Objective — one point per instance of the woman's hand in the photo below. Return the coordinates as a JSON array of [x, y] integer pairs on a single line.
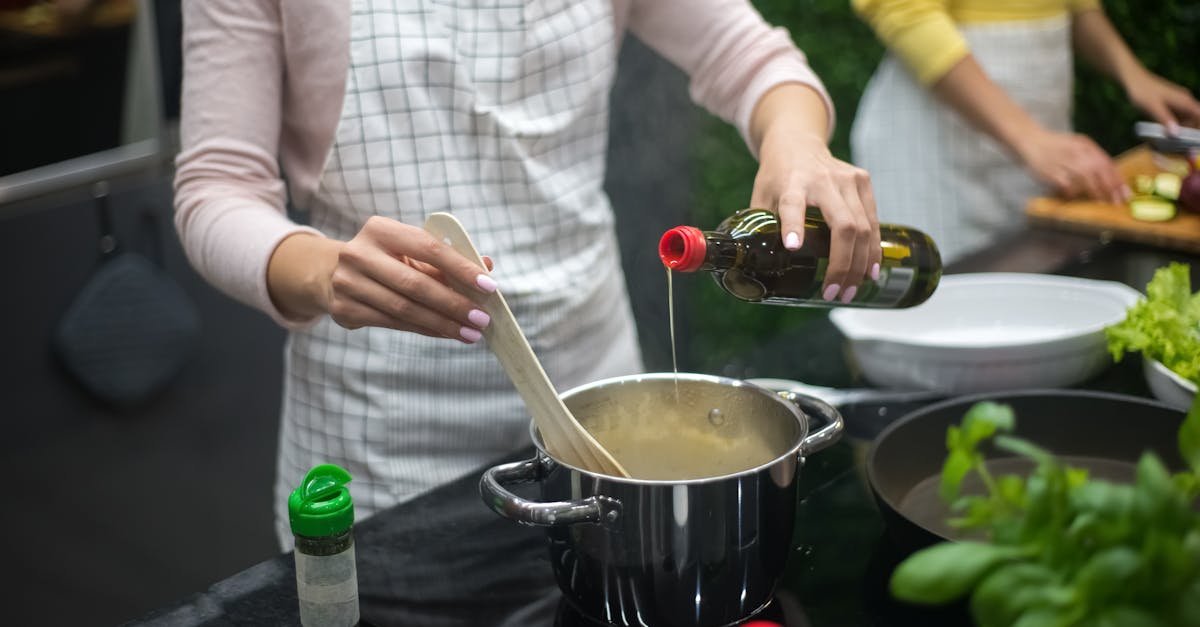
[[391, 275], [1074, 165], [1099, 43], [1168, 103], [796, 171]]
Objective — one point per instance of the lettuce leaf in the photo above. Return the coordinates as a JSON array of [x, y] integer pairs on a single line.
[[1165, 325]]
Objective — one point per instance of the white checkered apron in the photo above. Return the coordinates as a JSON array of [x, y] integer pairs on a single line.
[[930, 169], [498, 114]]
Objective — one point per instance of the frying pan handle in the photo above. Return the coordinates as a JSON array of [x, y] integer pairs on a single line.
[[594, 509], [814, 407]]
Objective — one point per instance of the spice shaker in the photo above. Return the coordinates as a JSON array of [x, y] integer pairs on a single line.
[[321, 514]]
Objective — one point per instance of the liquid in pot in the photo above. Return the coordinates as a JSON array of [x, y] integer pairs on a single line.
[[669, 451], [710, 429]]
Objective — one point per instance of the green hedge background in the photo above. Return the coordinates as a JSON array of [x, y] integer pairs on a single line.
[[1164, 34]]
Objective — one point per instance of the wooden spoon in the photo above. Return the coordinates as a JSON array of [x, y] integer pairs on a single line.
[[565, 438]]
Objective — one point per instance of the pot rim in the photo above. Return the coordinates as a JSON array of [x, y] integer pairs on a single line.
[[793, 452]]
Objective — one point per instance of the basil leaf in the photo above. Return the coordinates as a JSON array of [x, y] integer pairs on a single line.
[[946, 571], [1127, 616], [983, 420], [1047, 617], [1188, 612], [1107, 500], [1026, 449], [1156, 496], [954, 470], [1011, 590], [1189, 437], [1105, 573]]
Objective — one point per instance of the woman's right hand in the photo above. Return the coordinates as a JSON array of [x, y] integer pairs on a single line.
[[390, 275], [401, 277], [1075, 165]]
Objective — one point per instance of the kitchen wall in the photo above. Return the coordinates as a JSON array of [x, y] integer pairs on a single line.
[[114, 511]]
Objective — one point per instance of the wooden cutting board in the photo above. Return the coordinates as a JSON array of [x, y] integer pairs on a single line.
[[1109, 220]]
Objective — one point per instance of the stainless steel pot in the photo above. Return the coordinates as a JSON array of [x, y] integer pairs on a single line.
[[698, 552]]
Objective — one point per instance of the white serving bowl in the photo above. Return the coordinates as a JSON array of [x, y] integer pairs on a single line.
[[989, 331], [1167, 386]]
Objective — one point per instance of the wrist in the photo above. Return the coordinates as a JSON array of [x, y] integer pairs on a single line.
[[1025, 140], [300, 273], [1131, 76], [792, 109], [793, 135]]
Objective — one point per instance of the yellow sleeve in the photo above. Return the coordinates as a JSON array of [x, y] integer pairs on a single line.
[[919, 32], [1079, 6]]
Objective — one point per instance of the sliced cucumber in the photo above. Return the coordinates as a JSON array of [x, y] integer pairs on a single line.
[[1166, 184], [1143, 184], [1151, 209]]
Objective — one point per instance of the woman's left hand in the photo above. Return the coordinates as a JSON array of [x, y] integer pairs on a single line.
[[797, 171], [1169, 104]]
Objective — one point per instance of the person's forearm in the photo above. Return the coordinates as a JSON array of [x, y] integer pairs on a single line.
[[298, 275], [1097, 42], [985, 105], [794, 106]]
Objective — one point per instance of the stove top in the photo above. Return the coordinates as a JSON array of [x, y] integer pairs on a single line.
[[781, 611], [445, 560]]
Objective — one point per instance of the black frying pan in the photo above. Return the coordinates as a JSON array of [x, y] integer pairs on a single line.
[[1105, 432]]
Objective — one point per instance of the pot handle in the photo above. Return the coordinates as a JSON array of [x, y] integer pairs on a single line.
[[594, 509], [812, 407]]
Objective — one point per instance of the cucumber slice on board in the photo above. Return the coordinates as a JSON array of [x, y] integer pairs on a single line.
[[1143, 184], [1167, 184], [1151, 209]]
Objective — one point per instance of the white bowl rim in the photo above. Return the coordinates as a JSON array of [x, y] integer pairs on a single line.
[[848, 323], [1162, 368]]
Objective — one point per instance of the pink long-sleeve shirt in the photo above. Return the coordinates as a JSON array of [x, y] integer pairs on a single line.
[[262, 96]]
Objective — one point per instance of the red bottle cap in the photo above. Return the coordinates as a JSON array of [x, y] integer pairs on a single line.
[[682, 248]]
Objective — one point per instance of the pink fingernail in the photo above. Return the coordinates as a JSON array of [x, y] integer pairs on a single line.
[[831, 291], [469, 334], [848, 295], [486, 283], [875, 272], [479, 318], [792, 241]]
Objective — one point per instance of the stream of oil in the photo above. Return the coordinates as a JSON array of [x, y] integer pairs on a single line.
[[671, 318]]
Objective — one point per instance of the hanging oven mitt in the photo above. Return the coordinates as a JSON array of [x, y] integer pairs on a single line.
[[131, 328]]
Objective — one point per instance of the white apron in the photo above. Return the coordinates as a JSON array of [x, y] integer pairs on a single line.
[[930, 169], [499, 115]]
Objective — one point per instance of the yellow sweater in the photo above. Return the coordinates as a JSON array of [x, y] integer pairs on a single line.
[[923, 32]]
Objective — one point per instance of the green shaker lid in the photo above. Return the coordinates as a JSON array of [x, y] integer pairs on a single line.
[[321, 506]]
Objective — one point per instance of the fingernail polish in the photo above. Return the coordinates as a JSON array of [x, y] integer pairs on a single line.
[[469, 334], [848, 295], [486, 283], [792, 241], [831, 292], [479, 318], [875, 272]]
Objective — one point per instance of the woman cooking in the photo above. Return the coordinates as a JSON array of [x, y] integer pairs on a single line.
[[969, 115], [372, 114]]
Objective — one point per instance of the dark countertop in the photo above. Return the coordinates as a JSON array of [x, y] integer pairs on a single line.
[[445, 559]]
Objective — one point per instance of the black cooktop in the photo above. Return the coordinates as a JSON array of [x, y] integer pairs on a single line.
[[445, 560]]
